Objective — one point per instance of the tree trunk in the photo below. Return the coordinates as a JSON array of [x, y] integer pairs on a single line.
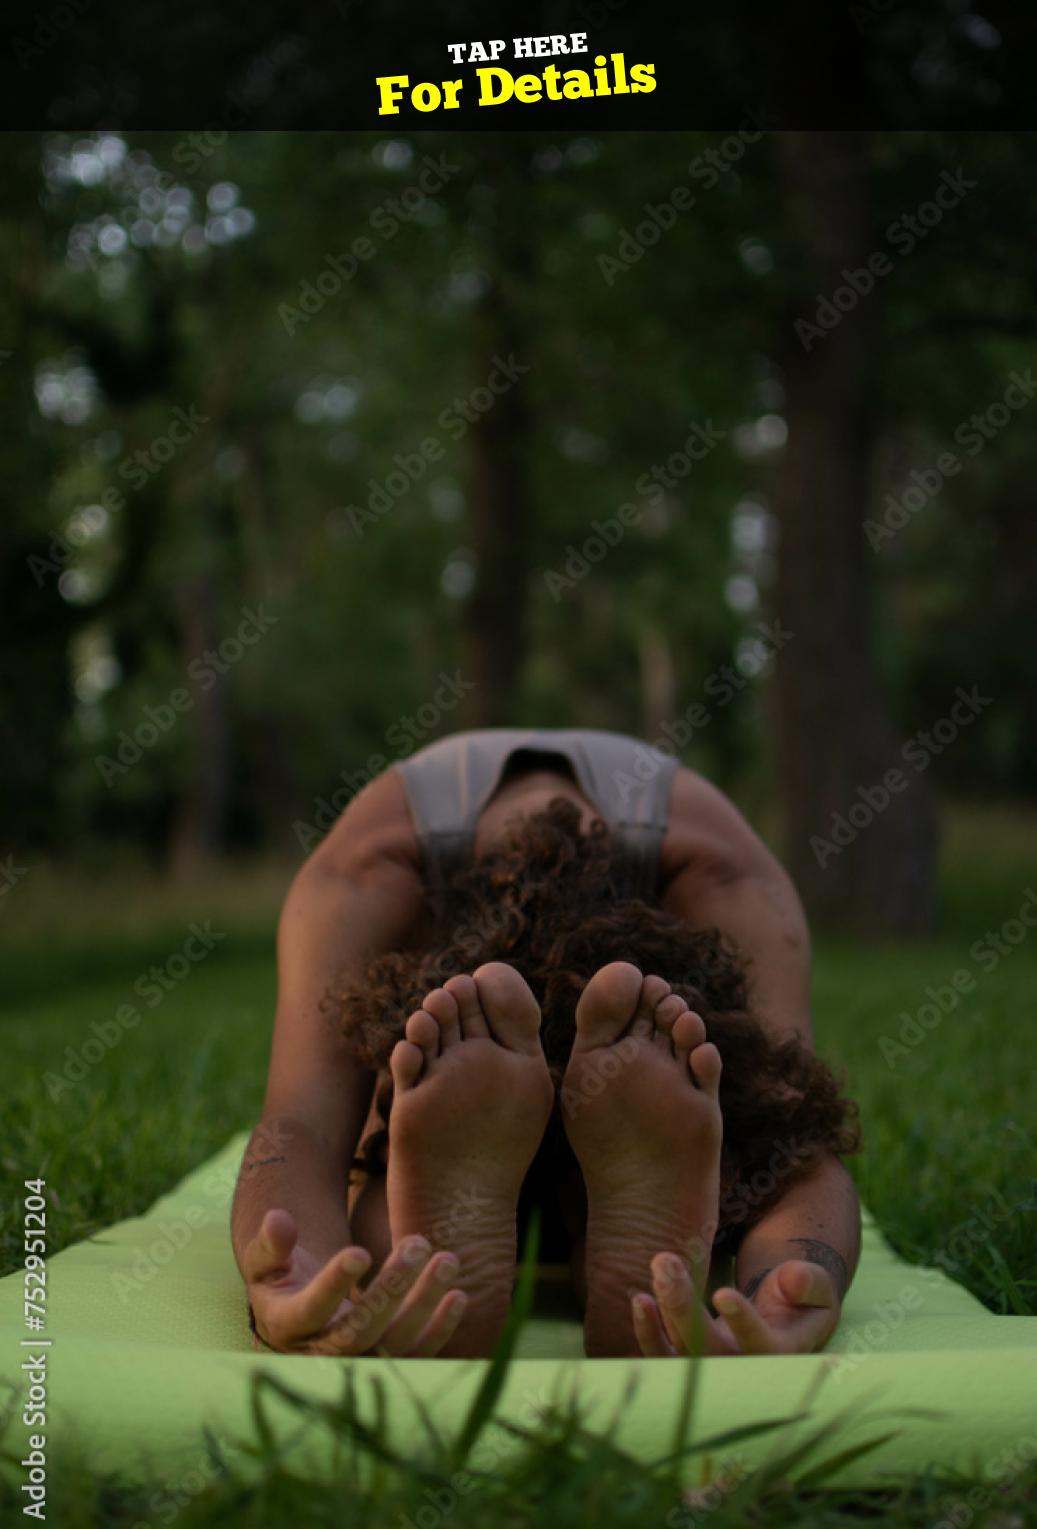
[[494, 626], [494, 623], [835, 738], [199, 828]]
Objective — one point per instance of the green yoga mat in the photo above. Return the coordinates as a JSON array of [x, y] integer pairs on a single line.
[[149, 1344]]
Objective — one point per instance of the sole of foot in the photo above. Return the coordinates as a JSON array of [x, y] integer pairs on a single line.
[[640, 1106], [471, 1099]]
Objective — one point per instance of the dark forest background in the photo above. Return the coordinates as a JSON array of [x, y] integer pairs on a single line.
[[208, 277]]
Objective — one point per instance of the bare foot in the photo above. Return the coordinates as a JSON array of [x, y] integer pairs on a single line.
[[639, 1101], [472, 1097]]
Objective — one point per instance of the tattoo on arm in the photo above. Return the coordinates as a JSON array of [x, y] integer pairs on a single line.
[[821, 1253], [754, 1282], [261, 1162]]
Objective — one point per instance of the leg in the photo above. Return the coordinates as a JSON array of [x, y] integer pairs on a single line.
[[369, 1219]]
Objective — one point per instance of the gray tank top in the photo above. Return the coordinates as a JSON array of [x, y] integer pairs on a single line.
[[449, 782]]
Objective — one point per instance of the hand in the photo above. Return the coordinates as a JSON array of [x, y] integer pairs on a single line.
[[303, 1307], [795, 1310]]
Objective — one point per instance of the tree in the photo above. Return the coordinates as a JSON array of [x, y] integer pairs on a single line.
[[836, 741]]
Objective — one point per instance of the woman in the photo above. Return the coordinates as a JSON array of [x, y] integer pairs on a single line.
[[580, 980]]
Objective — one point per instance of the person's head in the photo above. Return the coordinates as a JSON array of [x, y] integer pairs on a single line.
[[557, 903]]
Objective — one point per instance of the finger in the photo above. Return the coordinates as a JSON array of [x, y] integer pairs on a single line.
[[270, 1249], [805, 1284], [649, 1330], [294, 1318], [748, 1328], [675, 1294], [441, 1327], [437, 1277], [363, 1326]]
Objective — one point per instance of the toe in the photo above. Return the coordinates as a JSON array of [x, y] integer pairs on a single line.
[[607, 1005], [405, 1064], [687, 1032], [666, 1014], [422, 1030], [510, 1008], [466, 995], [706, 1068], [443, 1008], [653, 991]]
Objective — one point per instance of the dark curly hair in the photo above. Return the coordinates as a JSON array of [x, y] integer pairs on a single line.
[[557, 905]]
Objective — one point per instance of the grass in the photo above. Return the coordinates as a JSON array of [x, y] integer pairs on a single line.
[[948, 1138]]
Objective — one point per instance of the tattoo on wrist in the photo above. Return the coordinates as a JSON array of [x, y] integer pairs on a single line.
[[825, 1255], [261, 1162], [754, 1282]]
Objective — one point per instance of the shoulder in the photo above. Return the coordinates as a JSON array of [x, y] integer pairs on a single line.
[[375, 832], [706, 833]]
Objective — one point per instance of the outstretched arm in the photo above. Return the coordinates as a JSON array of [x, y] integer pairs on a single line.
[[794, 1266], [359, 893], [791, 1280], [722, 876]]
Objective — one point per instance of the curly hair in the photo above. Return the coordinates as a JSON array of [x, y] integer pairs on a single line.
[[558, 904]]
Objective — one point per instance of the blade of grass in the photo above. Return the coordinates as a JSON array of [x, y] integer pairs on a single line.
[[486, 1396], [695, 1343], [1002, 1276], [729, 1436], [827, 1468]]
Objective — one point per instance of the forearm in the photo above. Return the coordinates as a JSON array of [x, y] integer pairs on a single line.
[[818, 1219], [286, 1167]]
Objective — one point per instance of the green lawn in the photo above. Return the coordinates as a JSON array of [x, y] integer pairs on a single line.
[[948, 1113]]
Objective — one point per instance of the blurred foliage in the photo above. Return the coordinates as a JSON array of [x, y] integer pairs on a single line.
[[151, 273]]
